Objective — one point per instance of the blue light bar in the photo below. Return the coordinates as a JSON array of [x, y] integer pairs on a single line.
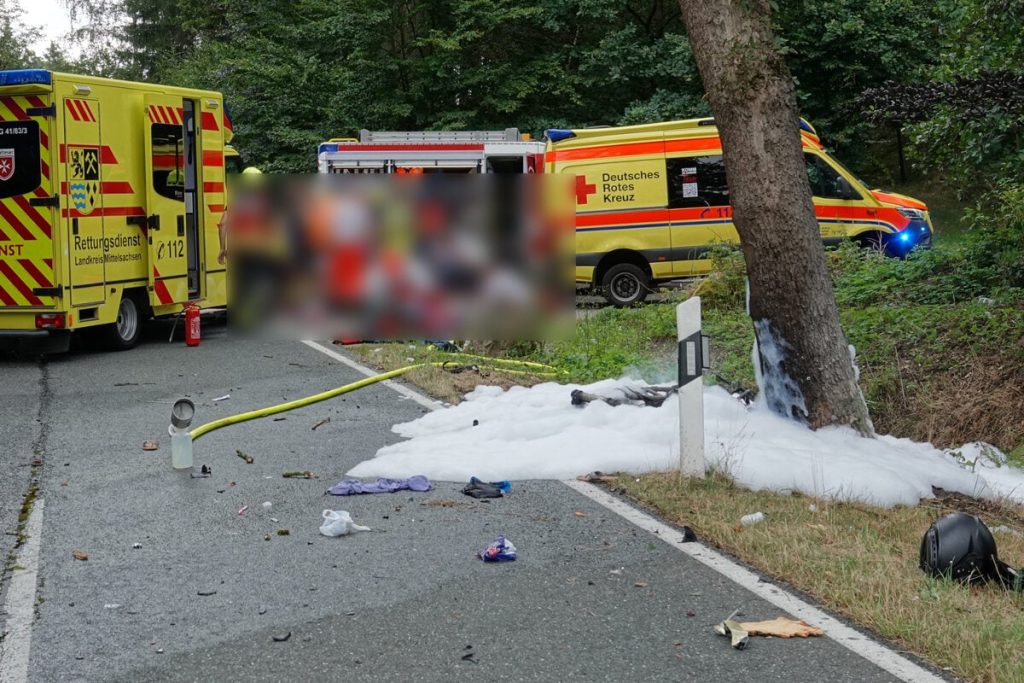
[[556, 134], [26, 77], [327, 147]]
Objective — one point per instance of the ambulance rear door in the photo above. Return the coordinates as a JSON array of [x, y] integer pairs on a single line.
[[172, 209], [27, 204]]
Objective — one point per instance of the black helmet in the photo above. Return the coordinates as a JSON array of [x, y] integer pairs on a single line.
[[961, 547]]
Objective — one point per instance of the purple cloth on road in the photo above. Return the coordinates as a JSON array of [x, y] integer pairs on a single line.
[[348, 487]]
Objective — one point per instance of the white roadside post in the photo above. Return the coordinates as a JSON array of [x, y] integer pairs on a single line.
[[691, 387]]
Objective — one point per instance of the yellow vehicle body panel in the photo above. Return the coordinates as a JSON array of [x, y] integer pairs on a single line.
[[655, 195], [120, 188]]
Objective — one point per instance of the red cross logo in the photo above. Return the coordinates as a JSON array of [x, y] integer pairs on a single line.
[[584, 189]]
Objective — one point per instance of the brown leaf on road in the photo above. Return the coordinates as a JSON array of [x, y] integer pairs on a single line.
[[781, 627], [580, 514], [150, 445], [80, 555]]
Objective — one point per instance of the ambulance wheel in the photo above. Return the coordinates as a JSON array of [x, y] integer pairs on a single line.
[[625, 284], [123, 334]]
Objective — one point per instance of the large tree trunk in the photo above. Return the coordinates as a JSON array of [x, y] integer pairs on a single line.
[[805, 362]]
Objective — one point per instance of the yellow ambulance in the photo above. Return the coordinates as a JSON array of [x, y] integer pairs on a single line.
[[652, 201], [110, 196]]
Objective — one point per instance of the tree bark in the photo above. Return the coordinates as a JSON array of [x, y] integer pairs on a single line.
[[806, 367]]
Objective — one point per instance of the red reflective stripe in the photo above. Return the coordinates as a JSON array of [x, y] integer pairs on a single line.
[[213, 187], [44, 168], [71, 109], [214, 158], [105, 211], [358, 147], [162, 293], [179, 115], [693, 144], [622, 217], [107, 155], [36, 274], [227, 122], [168, 160], [25, 290], [48, 262], [106, 188], [4, 237], [36, 101], [88, 111], [11, 104], [44, 139], [31, 212], [604, 151], [13, 221], [216, 208], [6, 298], [209, 121], [81, 110]]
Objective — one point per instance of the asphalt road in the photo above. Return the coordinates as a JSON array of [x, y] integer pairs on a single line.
[[591, 597]]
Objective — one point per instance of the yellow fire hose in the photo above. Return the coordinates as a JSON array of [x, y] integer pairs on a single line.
[[492, 363]]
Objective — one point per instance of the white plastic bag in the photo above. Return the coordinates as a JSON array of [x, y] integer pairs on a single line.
[[339, 523]]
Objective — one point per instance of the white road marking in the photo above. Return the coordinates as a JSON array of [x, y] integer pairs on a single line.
[[858, 643], [369, 372], [20, 603]]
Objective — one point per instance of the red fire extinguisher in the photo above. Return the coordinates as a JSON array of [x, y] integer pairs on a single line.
[[192, 325]]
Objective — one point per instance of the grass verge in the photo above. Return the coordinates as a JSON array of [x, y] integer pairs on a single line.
[[861, 562]]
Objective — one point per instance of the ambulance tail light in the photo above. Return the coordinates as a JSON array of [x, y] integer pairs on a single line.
[[51, 321]]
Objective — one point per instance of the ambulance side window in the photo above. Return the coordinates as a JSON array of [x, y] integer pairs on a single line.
[[826, 183], [168, 161], [19, 157], [697, 182]]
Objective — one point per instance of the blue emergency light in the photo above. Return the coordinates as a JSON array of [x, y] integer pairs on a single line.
[[556, 134], [26, 77]]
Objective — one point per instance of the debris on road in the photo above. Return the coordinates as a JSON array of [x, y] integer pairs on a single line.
[[482, 489], [339, 523], [267, 505], [222, 398], [80, 555], [752, 518], [645, 396], [244, 456], [733, 629], [321, 423], [136, 546], [297, 474], [580, 514], [281, 638], [501, 550], [348, 487], [242, 510], [150, 446], [112, 605], [688, 535], [283, 532], [206, 593], [781, 627], [442, 503], [640, 584], [598, 478]]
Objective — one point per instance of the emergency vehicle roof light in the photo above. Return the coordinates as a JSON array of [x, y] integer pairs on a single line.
[[804, 125], [556, 134], [26, 77]]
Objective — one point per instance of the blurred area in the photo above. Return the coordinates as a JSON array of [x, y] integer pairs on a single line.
[[411, 256]]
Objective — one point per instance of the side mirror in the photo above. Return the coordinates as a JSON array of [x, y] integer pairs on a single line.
[[845, 190]]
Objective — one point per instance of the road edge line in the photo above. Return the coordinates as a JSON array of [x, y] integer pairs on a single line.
[[881, 655], [860, 644], [20, 603], [419, 398]]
